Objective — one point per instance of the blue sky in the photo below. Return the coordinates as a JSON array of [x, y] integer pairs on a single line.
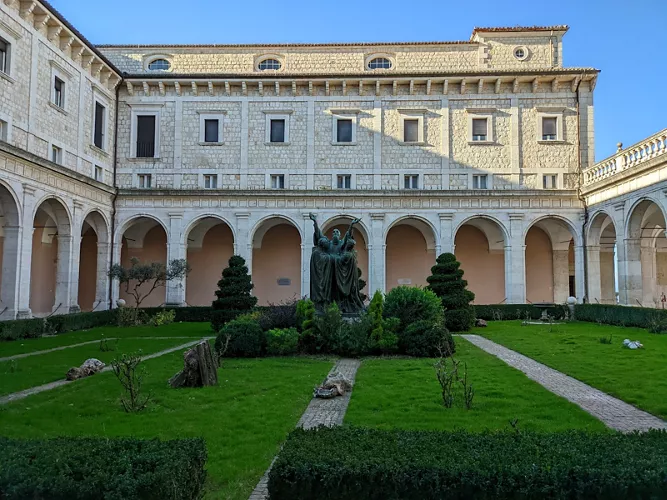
[[623, 38]]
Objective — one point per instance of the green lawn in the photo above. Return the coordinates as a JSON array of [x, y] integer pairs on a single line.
[[23, 373], [638, 377], [195, 330], [404, 393], [244, 419]]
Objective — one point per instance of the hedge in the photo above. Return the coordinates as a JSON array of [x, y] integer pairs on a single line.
[[642, 317], [491, 312], [102, 468], [355, 463]]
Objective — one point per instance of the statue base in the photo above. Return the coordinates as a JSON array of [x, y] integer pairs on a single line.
[[351, 317]]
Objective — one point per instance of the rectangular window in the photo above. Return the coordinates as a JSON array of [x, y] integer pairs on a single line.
[[211, 181], [480, 181], [411, 130], [58, 92], [145, 136], [479, 129], [4, 130], [145, 181], [549, 128], [277, 181], [550, 181], [99, 173], [344, 181], [344, 130], [4, 56], [211, 127], [56, 155], [411, 181], [278, 130], [98, 132]]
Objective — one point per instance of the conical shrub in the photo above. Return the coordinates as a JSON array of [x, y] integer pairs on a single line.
[[447, 282], [233, 293]]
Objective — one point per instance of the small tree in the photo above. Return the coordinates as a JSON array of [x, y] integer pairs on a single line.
[[447, 282], [233, 293], [130, 373], [155, 275], [382, 336]]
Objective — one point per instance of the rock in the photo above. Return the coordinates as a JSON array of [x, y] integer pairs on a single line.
[[89, 367], [633, 344], [336, 384], [200, 368], [480, 323]]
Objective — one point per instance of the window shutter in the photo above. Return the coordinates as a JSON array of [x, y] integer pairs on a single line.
[[549, 126], [211, 130], [479, 126]]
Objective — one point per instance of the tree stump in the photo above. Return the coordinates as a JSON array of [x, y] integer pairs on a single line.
[[200, 368]]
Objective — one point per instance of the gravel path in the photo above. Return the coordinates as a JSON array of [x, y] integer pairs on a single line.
[[328, 412], [611, 411]]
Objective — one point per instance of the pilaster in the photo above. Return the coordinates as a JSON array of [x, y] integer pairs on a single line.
[[446, 233], [175, 250], [377, 255], [515, 262]]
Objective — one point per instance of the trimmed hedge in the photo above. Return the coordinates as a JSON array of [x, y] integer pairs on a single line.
[[349, 462], [642, 317], [102, 468], [490, 312]]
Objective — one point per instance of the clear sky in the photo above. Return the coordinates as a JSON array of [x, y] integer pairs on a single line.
[[626, 39]]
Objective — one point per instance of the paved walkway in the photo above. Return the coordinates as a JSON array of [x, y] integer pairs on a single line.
[[611, 411], [328, 412], [59, 383]]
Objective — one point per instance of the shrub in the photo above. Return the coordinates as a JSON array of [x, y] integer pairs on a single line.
[[447, 282], [347, 462], [410, 304], [282, 315], [246, 339], [233, 293], [327, 327], [80, 321], [382, 336], [104, 468], [305, 311], [282, 341], [425, 339], [641, 317], [503, 312], [163, 318], [351, 339], [22, 329], [130, 373]]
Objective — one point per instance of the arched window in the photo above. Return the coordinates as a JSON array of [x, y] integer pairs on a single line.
[[379, 63], [273, 64], [159, 65]]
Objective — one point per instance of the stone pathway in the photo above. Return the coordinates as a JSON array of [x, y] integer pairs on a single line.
[[60, 348], [328, 412], [611, 411], [59, 383]]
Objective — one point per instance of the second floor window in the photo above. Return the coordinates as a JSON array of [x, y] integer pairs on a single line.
[[146, 136], [411, 130], [56, 155], [277, 130], [211, 130], [479, 129], [145, 181], [344, 130], [98, 132], [344, 181], [211, 181], [549, 128], [278, 181], [480, 181], [58, 92], [4, 56], [411, 181], [550, 181], [4, 130], [99, 173]]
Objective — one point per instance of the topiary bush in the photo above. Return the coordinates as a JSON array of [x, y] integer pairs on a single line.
[[447, 282], [326, 328], [282, 341], [426, 339], [246, 339], [233, 293], [382, 336], [410, 304]]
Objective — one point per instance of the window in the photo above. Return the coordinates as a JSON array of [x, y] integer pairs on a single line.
[[411, 130], [479, 129], [145, 181], [56, 155], [145, 136], [4, 130], [100, 122], [211, 128], [269, 64], [379, 63], [99, 173], [277, 181], [521, 53], [159, 65], [58, 92], [550, 181], [344, 130], [211, 181], [344, 181], [480, 181], [549, 128], [277, 130], [411, 181], [4, 56]]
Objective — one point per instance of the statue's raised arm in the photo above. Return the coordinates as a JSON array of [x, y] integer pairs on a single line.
[[317, 232]]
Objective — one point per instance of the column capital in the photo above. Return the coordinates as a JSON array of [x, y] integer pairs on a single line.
[[78, 204], [28, 189], [619, 206], [175, 215], [377, 216], [242, 215], [516, 216], [446, 216]]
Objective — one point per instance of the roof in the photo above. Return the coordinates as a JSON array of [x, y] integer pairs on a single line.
[[511, 29], [277, 45]]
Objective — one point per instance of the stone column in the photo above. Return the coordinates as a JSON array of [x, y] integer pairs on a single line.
[[515, 262], [102, 281], [579, 278], [175, 250], [64, 275], [446, 236], [10, 272], [242, 243], [25, 249], [306, 252], [630, 265], [594, 274], [115, 285], [77, 223], [561, 272], [376, 255], [649, 276]]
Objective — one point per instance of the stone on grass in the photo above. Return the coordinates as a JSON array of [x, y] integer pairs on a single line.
[[336, 384], [89, 367], [632, 344], [480, 323], [200, 368]]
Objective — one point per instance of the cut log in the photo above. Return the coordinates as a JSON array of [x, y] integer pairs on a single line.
[[200, 368]]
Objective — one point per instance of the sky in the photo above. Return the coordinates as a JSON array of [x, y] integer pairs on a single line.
[[626, 39]]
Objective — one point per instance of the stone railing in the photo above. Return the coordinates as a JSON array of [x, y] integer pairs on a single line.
[[643, 151]]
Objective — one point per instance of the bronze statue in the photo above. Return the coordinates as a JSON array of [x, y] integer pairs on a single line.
[[333, 270]]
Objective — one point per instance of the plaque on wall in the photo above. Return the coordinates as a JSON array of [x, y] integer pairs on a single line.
[[405, 281], [284, 281]]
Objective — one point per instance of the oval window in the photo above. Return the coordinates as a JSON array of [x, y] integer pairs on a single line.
[[268, 64], [159, 65], [379, 63]]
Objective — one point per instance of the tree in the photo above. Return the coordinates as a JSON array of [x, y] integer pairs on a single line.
[[233, 293], [154, 274], [362, 285], [447, 282]]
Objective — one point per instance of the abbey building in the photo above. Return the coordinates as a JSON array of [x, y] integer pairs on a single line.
[[482, 147]]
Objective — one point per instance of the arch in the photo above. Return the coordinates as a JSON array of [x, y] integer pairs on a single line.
[[344, 219], [10, 225], [543, 223], [58, 210], [14, 210], [261, 227], [200, 218], [410, 251], [596, 225], [98, 222], [641, 210], [479, 245], [139, 225], [601, 238], [422, 224], [93, 262]]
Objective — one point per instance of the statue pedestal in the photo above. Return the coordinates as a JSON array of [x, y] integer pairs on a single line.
[[351, 317]]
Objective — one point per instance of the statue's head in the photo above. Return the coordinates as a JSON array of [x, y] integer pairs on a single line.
[[336, 236], [323, 243]]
